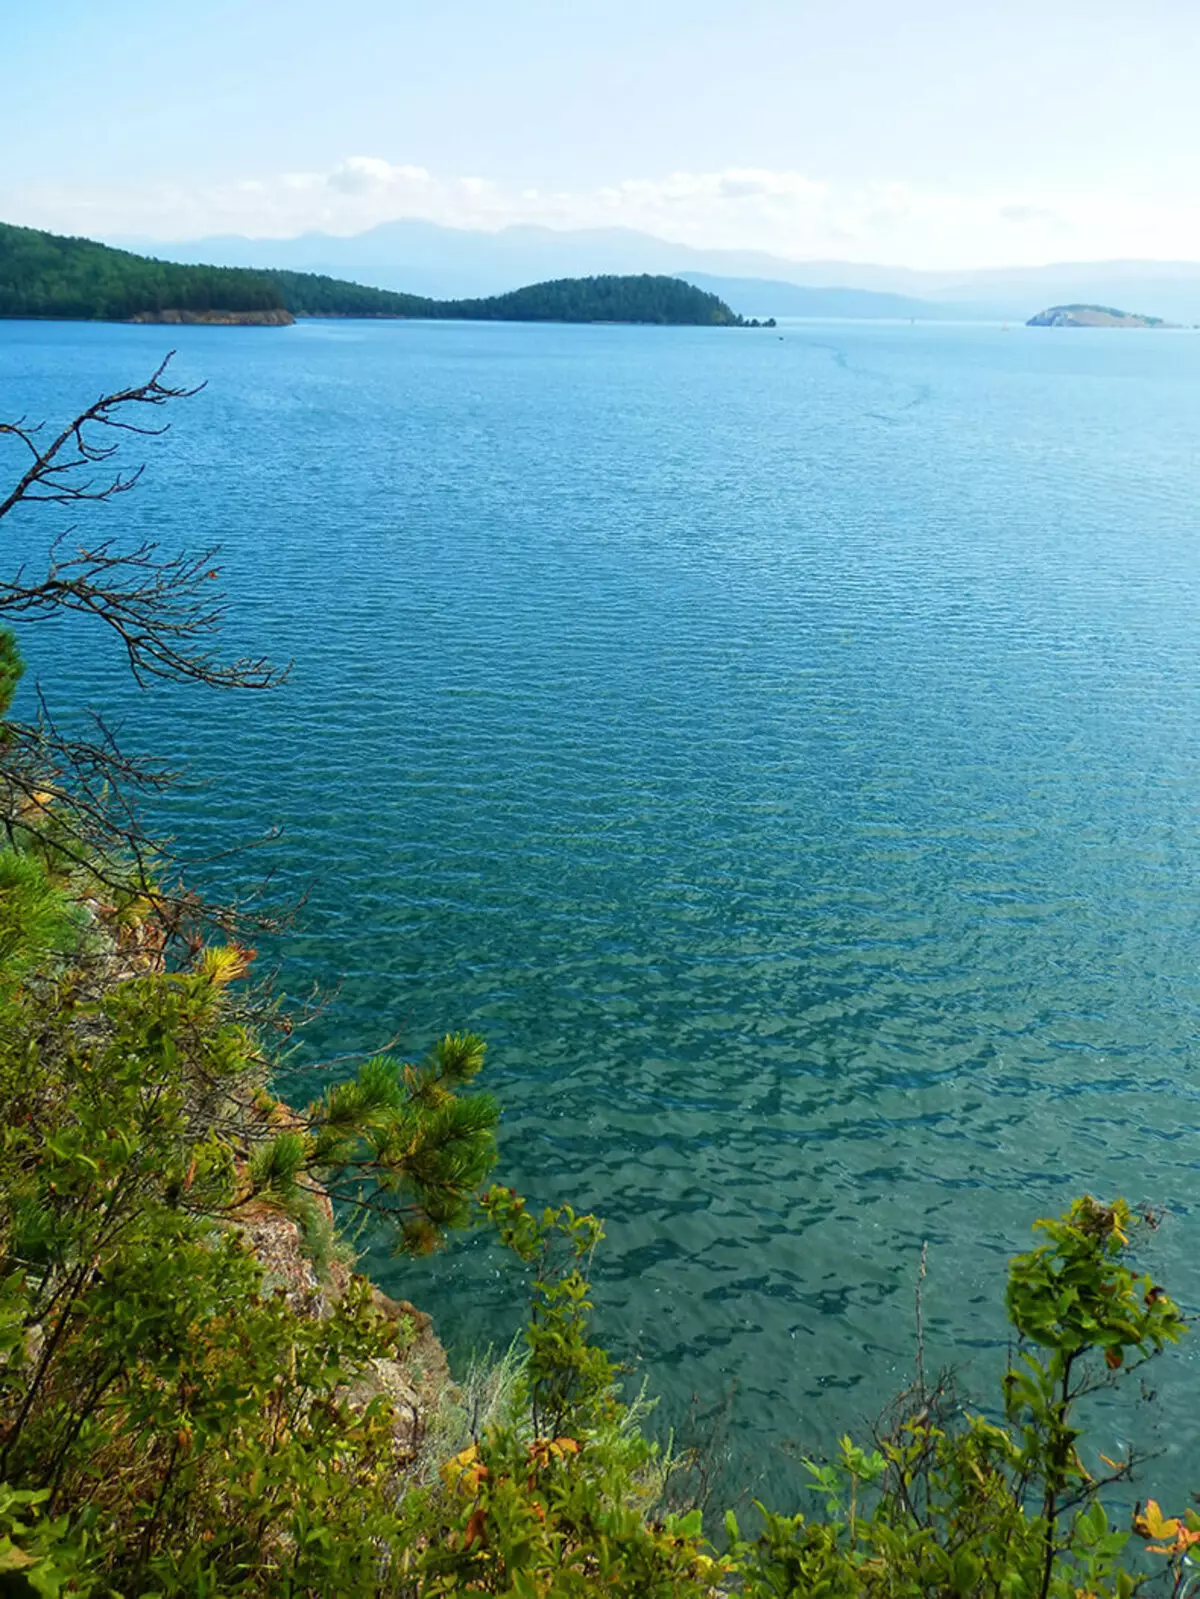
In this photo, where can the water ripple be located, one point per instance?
(784, 751)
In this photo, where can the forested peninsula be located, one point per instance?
(49, 276)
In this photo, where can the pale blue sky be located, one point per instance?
(937, 132)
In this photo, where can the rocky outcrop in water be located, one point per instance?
(1092, 316)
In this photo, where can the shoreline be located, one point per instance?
(276, 318)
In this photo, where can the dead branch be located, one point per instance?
(79, 795)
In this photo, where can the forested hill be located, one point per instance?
(47, 275)
(599, 299)
(310, 294)
(603, 299)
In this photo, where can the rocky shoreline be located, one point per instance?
(1092, 316)
(416, 1383)
(218, 319)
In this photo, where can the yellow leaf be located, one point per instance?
(38, 801)
(1153, 1524)
(464, 1471)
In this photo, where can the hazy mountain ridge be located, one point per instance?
(769, 297)
(418, 257)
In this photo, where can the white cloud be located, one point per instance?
(367, 174)
(787, 213)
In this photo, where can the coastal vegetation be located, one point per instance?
(599, 299)
(46, 275)
(198, 1395)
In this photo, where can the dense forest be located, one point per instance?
(599, 299)
(602, 299)
(46, 275)
(312, 294)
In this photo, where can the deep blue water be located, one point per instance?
(785, 749)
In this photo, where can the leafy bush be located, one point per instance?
(166, 1423)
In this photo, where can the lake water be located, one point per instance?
(784, 747)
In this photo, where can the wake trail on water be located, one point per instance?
(919, 394)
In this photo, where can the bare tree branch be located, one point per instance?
(79, 795)
(160, 605)
(53, 474)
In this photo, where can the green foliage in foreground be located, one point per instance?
(172, 1423)
(47, 275)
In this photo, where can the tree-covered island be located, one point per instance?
(46, 275)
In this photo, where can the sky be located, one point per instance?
(928, 133)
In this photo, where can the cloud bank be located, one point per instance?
(745, 208)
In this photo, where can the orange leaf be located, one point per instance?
(1184, 1539)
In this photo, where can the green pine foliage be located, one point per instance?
(47, 275)
(167, 1423)
(11, 670)
(643, 298)
(314, 294)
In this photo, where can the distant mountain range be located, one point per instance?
(418, 257)
(770, 297)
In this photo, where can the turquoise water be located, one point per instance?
(785, 749)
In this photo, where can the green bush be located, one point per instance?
(167, 1424)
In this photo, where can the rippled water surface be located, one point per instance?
(784, 748)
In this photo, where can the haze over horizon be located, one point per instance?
(935, 139)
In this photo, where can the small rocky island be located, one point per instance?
(1092, 316)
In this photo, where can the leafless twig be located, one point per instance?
(80, 794)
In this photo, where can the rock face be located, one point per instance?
(1092, 316)
(219, 319)
(413, 1384)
